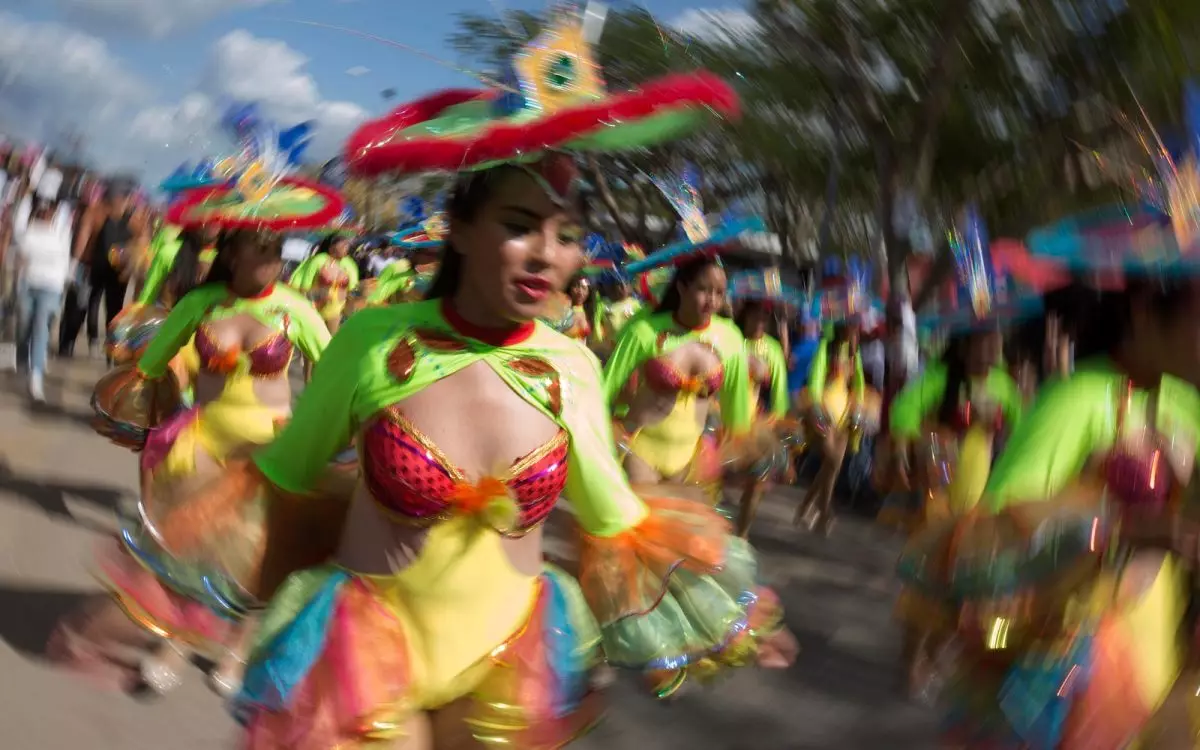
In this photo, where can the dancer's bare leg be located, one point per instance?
(226, 677)
(751, 497)
(100, 639)
(818, 502)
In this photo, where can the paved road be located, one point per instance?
(58, 487)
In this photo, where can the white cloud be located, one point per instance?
(87, 88)
(357, 71)
(717, 25)
(157, 18)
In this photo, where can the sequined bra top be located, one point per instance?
(268, 358)
(1143, 480)
(411, 478)
(332, 276)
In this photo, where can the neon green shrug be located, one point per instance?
(1076, 417)
(282, 309)
(353, 382)
(921, 398)
(651, 335)
(768, 349)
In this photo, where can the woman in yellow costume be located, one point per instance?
(437, 624)
(246, 329)
(837, 405)
(1067, 598)
(328, 278)
(756, 295)
(953, 417)
(615, 305)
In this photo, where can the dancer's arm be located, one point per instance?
(306, 329)
(735, 392)
(777, 364)
(635, 345)
(178, 328)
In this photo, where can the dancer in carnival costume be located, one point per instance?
(951, 420)
(330, 276)
(1073, 566)
(617, 304)
(246, 328)
(673, 364)
(408, 280)
(838, 407)
(757, 296)
(437, 621)
(199, 243)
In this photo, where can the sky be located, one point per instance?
(145, 81)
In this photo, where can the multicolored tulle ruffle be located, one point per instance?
(677, 593)
(333, 667)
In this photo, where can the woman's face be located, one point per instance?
(983, 352)
(339, 248)
(518, 250)
(704, 296)
(579, 292)
(754, 321)
(256, 262)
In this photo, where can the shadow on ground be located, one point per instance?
(51, 496)
(28, 615)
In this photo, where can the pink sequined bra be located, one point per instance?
(268, 358)
(665, 377)
(1144, 480)
(409, 476)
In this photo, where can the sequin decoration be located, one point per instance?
(402, 360)
(439, 341)
(557, 69)
(536, 367)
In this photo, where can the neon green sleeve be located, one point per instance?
(779, 388)
(1005, 390)
(306, 329)
(304, 276)
(597, 487)
(818, 370)
(1053, 441)
(736, 410)
(860, 378)
(322, 420)
(178, 328)
(162, 259)
(390, 282)
(635, 345)
(917, 401)
(351, 269)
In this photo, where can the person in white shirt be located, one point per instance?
(44, 261)
(381, 259)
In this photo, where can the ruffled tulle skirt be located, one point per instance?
(336, 666)
(172, 598)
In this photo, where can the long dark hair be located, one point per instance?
(327, 243)
(184, 276)
(221, 270)
(1099, 320)
(684, 275)
(955, 361)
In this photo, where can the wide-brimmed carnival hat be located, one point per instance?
(698, 239)
(189, 176)
(428, 227)
(983, 293)
(766, 286)
(607, 259)
(256, 189)
(844, 293)
(551, 100)
(1157, 230)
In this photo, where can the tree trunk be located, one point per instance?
(609, 200)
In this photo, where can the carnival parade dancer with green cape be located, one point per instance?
(436, 620)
